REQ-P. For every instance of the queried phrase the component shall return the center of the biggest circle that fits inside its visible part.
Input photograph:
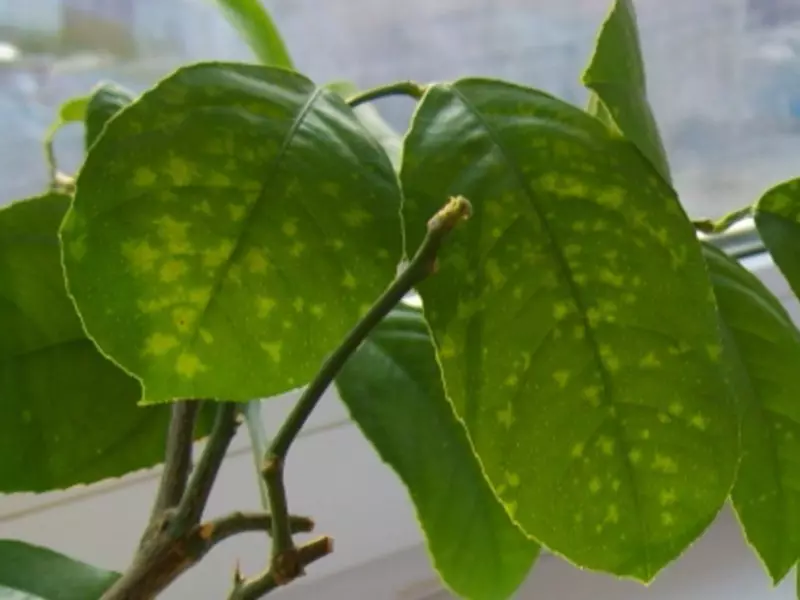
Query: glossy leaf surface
(575, 325)
(29, 572)
(616, 76)
(393, 390)
(67, 414)
(229, 228)
(766, 495)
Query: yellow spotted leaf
(575, 326)
(229, 227)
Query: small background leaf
(768, 349)
(28, 571)
(573, 311)
(777, 218)
(228, 229)
(67, 414)
(104, 102)
(616, 77)
(393, 390)
(252, 20)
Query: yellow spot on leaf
(206, 335)
(77, 247)
(615, 485)
(512, 479)
(298, 304)
(592, 394)
(144, 177)
(577, 450)
(665, 464)
(595, 485)
(506, 416)
(318, 310)
(184, 318)
(356, 217)
(560, 310)
(141, 255)
(494, 273)
(349, 281)
(236, 211)
(297, 249)
(256, 261)
(203, 207)
(158, 344)
(649, 360)
(635, 456)
(214, 257)
(676, 408)
(174, 233)
(698, 421)
(611, 278)
(714, 352)
(667, 497)
(561, 378)
(645, 434)
(667, 519)
(264, 306)
(606, 445)
(273, 349)
(189, 365)
(172, 270)
(180, 170)
(612, 514)
(448, 348)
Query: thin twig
(194, 500)
(711, 227)
(401, 88)
(287, 562)
(178, 459)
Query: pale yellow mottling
(173, 270)
(649, 360)
(188, 365)
(234, 274)
(140, 255)
(337, 244)
(200, 295)
(635, 456)
(698, 421)
(714, 351)
(579, 332)
(447, 349)
(511, 381)
(592, 394)
(615, 485)
(580, 278)
(144, 177)
(612, 514)
(517, 292)
(495, 274)
(645, 434)
(571, 250)
(297, 249)
(613, 279)
(526, 360)
(676, 408)
(561, 378)
(560, 310)
(349, 281)
(158, 344)
(512, 479)
(606, 445)
(289, 227)
(356, 217)
(214, 257)
(318, 310)
(264, 306)
(629, 298)
(595, 485)
(77, 247)
(667, 519)
(577, 450)
(205, 334)
(236, 211)
(505, 416)
(184, 317)
(174, 233)
(203, 207)
(219, 179)
(664, 418)
(298, 304)
(331, 188)
(256, 261)
(667, 497)
(273, 349)
(180, 170)
(511, 508)
(664, 463)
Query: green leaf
(575, 325)
(228, 229)
(67, 414)
(105, 102)
(73, 110)
(369, 116)
(777, 218)
(616, 77)
(767, 345)
(37, 573)
(254, 23)
(393, 390)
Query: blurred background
(723, 75)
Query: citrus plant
(586, 374)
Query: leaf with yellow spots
(588, 343)
(68, 415)
(475, 547)
(616, 77)
(763, 352)
(299, 171)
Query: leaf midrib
(577, 297)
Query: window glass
(723, 75)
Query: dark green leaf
(777, 217)
(393, 389)
(369, 116)
(105, 102)
(768, 347)
(228, 229)
(29, 572)
(575, 326)
(616, 77)
(252, 20)
(67, 414)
